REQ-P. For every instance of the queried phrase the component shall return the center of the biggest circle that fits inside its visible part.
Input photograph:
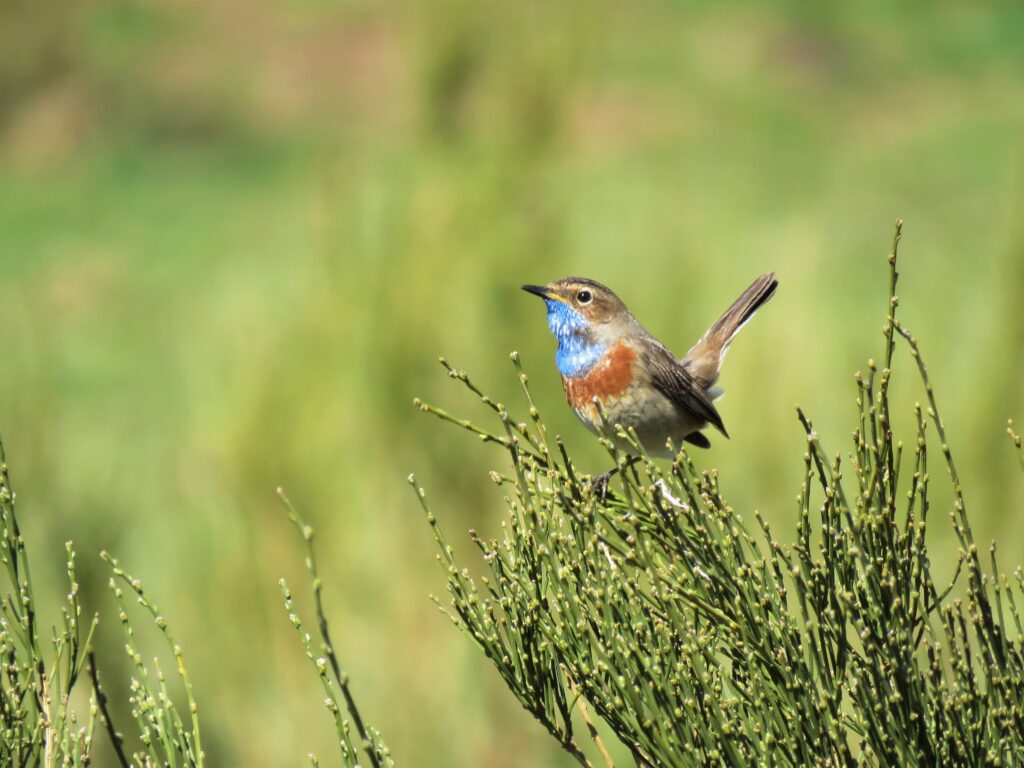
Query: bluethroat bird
(605, 356)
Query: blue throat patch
(576, 353)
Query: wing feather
(670, 378)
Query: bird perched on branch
(605, 356)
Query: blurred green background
(234, 237)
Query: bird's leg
(601, 481)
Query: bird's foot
(601, 483)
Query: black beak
(537, 290)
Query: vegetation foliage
(700, 639)
(235, 233)
(695, 636)
(40, 727)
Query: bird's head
(584, 316)
(575, 303)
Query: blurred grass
(236, 236)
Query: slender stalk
(307, 533)
(581, 704)
(106, 720)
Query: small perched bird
(605, 355)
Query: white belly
(654, 417)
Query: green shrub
(39, 726)
(700, 639)
(694, 636)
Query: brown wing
(670, 378)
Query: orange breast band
(609, 378)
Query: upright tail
(704, 359)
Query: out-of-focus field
(234, 237)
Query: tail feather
(704, 360)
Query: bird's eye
(584, 297)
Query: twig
(1016, 441)
(306, 531)
(582, 704)
(101, 702)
